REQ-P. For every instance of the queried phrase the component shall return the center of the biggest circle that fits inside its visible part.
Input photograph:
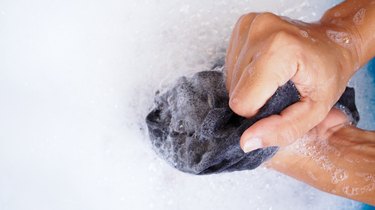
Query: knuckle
(289, 135)
(266, 16)
(285, 39)
(270, 25)
(282, 36)
(244, 19)
(262, 19)
(241, 20)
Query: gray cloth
(194, 130)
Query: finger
(284, 129)
(237, 40)
(263, 76)
(335, 119)
(255, 39)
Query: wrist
(348, 42)
(357, 19)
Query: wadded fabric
(192, 127)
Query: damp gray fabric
(192, 127)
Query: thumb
(284, 129)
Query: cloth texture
(192, 127)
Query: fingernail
(252, 144)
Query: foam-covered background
(77, 78)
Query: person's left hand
(334, 120)
(334, 157)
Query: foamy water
(76, 81)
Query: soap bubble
(78, 78)
(359, 16)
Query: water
(76, 80)
(340, 38)
(364, 83)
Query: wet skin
(192, 127)
(266, 51)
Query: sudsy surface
(77, 79)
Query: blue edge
(371, 70)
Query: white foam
(304, 33)
(368, 187)
(319, 152)
(339, 37)
(76, 79)
(359, 16)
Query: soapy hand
(266, 51)
(334, 157)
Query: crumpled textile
(192, 127)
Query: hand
(266, 51)
(334, 157)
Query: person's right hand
(266, 51)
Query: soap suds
(358, 18)
(368, 187)
(78, 77)
(304, 33)
(318, 152)
(339, 37)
